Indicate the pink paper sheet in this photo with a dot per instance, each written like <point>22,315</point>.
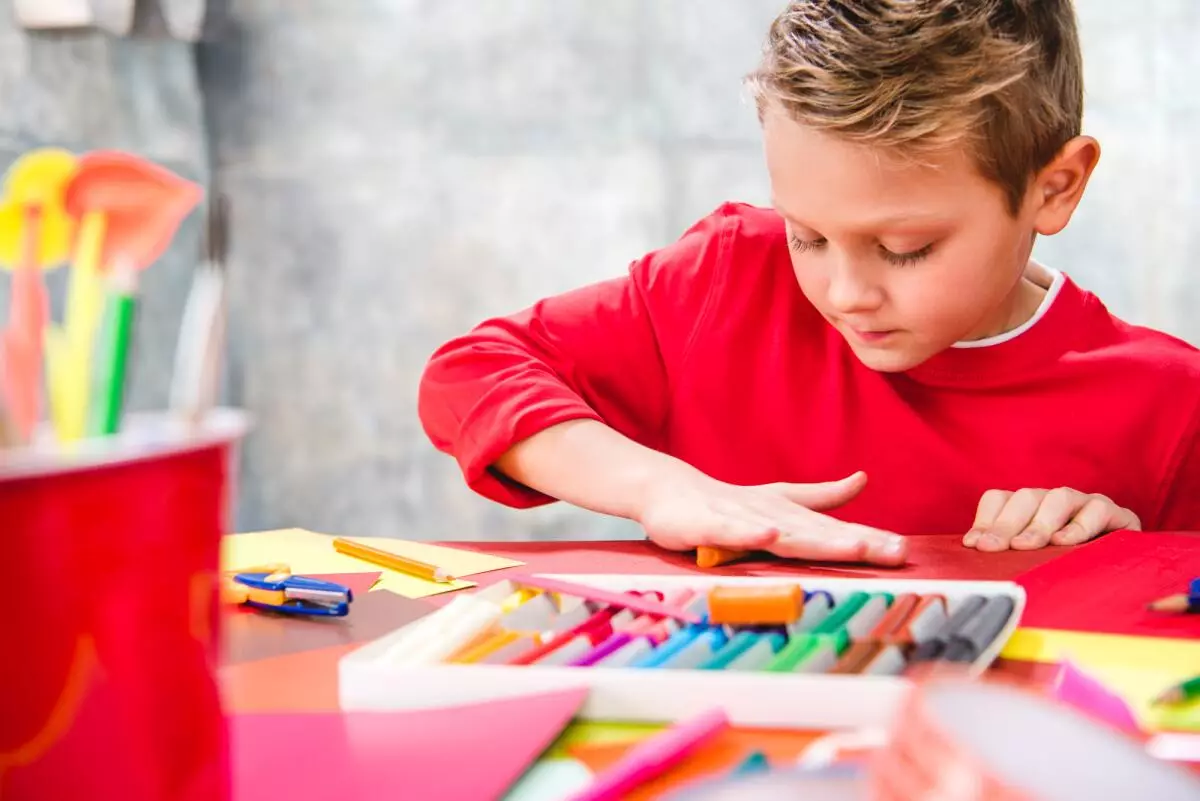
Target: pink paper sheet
<point>475,751</point>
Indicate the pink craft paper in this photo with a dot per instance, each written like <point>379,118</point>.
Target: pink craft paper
<point>357,583</point>
<point>474,751</point>
<point>1074,687</point>
<point>637,603</point>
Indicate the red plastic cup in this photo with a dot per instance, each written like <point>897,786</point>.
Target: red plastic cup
<point>108,574</point>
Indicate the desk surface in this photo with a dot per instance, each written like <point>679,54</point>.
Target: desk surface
<point>308,681</point>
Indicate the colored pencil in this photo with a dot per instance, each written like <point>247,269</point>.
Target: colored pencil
<point>391,561</point>
<point>1184,691</point>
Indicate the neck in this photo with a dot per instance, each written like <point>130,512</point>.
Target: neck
<point>1021,304</point>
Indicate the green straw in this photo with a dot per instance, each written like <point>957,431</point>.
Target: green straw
<point>112,357</point>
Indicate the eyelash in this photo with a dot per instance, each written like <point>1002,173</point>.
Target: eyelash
<point>799,245</point>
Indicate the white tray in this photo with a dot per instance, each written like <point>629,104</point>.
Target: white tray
<point>775,700</point>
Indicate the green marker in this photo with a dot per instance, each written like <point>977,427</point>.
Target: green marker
<point>112,354</point>
<point>831,629</point>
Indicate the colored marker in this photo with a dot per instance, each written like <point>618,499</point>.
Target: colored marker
<point>857,657</point>
<point>678,641</point>
<point>869,615</point>
<point>652,757</point>
<point>755,763</point>
<point>820,658</point>
<point>596,628</point>
<point>697,651</point>
<point>889,661</point>
<point>760,654</point>
<point>755,605</point>
<point>897,615</point>
<point>933,647</point>
<point>473,620</point>
<point>977,634</point>
<point>524,642</point>
<point>924,622</point>
<point>627,654</point>
<point>816,608</point>
<point>604,649</point>
<point>652,626</point>
<point>567,653</point>
<point>487,647</point>
<point>739,644</point>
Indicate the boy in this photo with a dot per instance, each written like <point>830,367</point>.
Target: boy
<point>737,387</point>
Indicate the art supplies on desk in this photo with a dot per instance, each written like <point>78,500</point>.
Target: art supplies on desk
<point>275,589</point>
<point>310,552</point>
<point>1129,570</point>
<point>111,215</point>
<point>1182,603</point>
<point>804,652</point>
<point>654,756</point>
<point>198,356</point>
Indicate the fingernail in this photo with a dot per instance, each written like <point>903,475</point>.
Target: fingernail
<point>972,537</point>
<point>990,540</point>
<point>893,547</point>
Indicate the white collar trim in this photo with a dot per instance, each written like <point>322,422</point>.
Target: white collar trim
<point>1056,285</point>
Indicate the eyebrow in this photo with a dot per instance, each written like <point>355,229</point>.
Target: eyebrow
<point>884,221</point>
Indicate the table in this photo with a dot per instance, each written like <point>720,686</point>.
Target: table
<point>308,681</point>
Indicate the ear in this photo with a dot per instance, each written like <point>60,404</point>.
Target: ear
<point>1058,188</point>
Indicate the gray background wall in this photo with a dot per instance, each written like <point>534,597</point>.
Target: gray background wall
<point>400,169</point>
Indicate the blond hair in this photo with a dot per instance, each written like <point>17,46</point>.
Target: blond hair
<point>1003,77</point>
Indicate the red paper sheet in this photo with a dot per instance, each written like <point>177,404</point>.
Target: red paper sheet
<point>475,751</point>
<point>1103,587</point>
<point>932,556</point>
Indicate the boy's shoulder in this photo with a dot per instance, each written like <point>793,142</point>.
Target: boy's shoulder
<point>1143,359</point>
<point>742,221</point>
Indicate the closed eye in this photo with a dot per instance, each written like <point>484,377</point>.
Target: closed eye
<point>799,245</point>
<point>905,259</point>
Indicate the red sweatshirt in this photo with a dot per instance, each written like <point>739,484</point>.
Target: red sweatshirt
<point>709,351</point>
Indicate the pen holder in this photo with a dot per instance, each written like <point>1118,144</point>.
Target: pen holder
<point>108,568</point>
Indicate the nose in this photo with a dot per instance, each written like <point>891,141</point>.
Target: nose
<point>853,289</point>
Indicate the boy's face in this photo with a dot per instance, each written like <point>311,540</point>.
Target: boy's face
<point>903,260</point>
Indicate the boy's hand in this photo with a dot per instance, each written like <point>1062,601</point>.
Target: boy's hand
<point>694,510</point>
<point>1029,519</point>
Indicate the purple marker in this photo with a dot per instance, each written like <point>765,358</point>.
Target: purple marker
<point>602,650</point>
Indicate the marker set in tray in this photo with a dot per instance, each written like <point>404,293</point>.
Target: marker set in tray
<point>710,633</point>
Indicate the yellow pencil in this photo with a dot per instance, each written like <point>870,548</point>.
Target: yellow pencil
<point>391,561</point>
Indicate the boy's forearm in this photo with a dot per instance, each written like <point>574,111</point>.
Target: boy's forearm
<point>588,464</point>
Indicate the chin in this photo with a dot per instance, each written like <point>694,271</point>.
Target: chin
<point>888,360</point>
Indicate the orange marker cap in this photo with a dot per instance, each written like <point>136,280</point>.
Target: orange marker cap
<point>774,605</point>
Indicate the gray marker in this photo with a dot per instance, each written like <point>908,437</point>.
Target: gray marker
<point>977,634</point>
<point>932,648</point>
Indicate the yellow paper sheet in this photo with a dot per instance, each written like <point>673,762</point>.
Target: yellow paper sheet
<point>1136,668</point>
<point>454,561</point>
<point>309,552</point>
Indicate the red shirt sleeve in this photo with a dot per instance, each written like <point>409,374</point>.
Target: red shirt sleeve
<point>604,352</point>
<point>1180,509</point>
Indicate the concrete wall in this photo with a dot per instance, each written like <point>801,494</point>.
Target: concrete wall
<point>401,169</point>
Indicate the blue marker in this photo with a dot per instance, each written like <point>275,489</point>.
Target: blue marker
<point>698,650</point>
<point>741,643</point>
<point>760,653</point>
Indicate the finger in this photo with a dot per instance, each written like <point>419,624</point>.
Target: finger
<point>735,534</point>
<point>1055,512</point>
<point>842,542</point>
<point>1017,513</point>
<point>1098,515</point>
<point>826,495</point>
<point>989,507</point>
